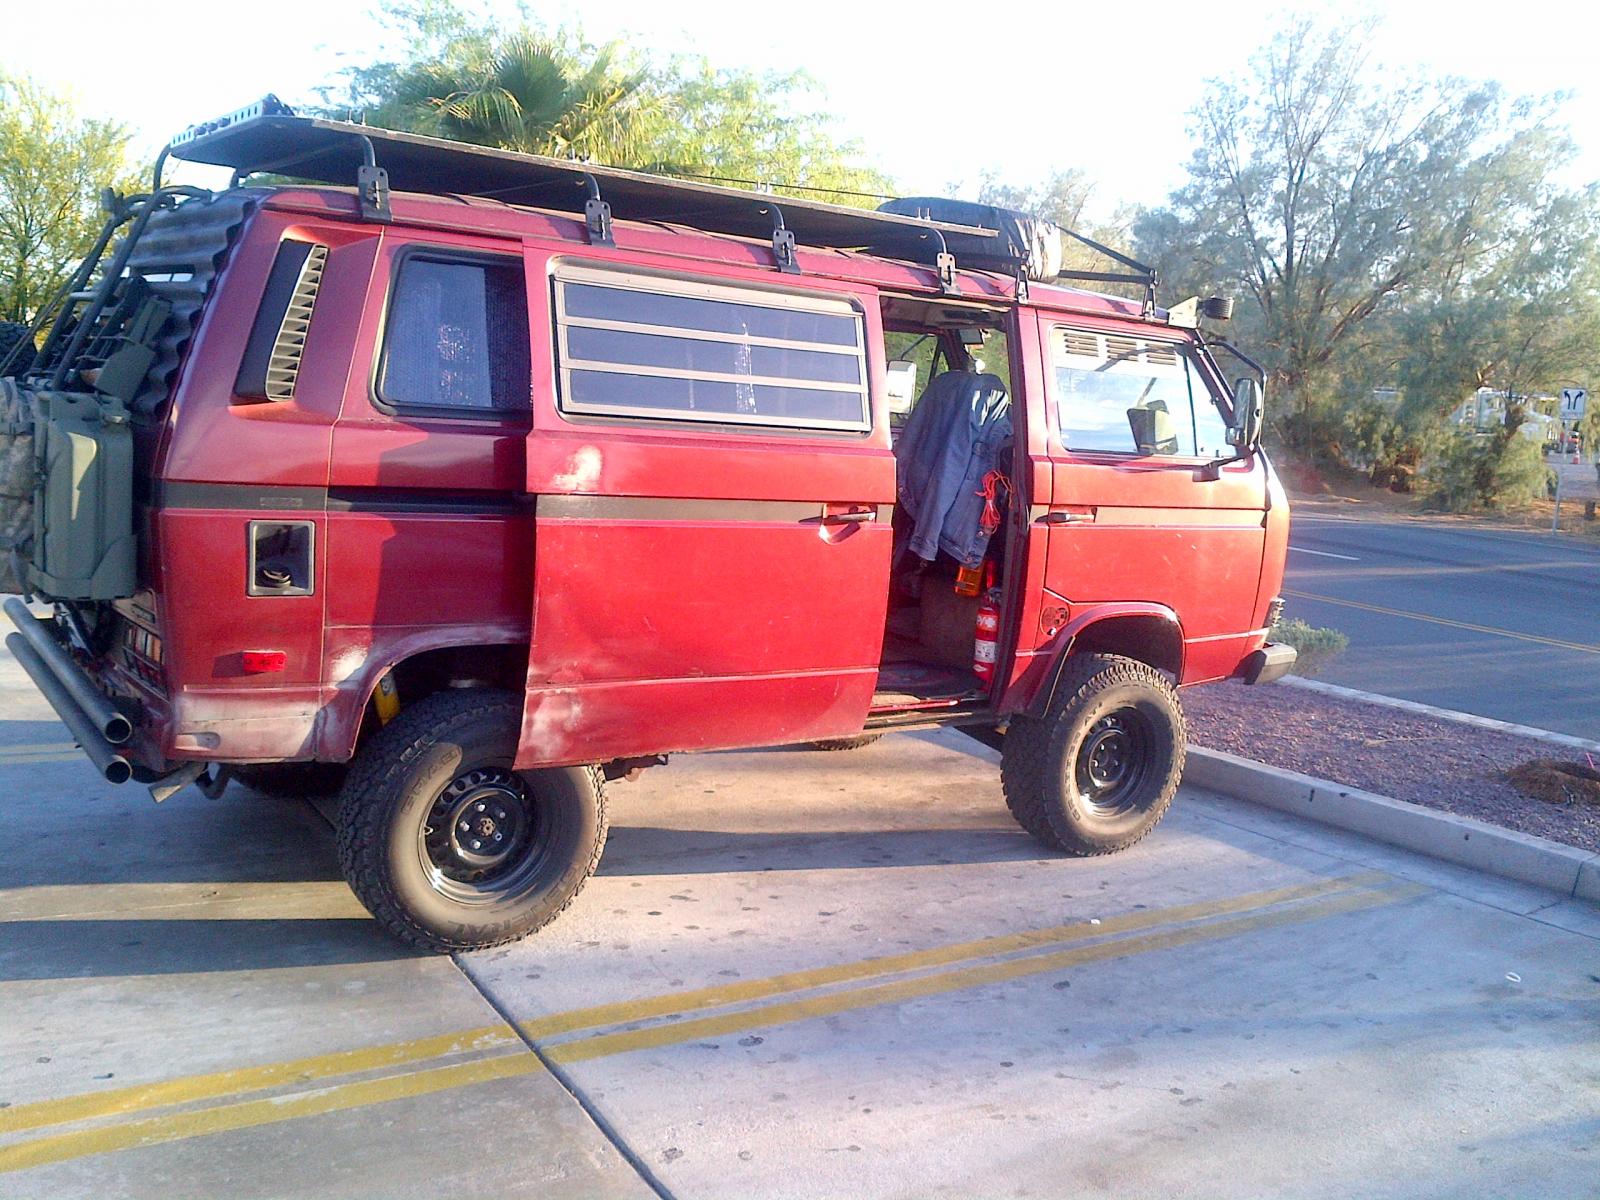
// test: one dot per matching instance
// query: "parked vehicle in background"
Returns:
(491, 478)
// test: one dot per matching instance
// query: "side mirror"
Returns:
(901, 381)
(1249, 413)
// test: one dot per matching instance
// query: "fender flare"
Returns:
(339, 723)
(1066, 640)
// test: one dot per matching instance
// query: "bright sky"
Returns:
(1103, 86)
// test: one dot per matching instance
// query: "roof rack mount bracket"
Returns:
(783, 245)
(597, 215)
(372, 186)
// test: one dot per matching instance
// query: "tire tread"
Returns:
(1025, 762)
(373, 774)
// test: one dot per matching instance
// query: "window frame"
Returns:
(433, 252)
(1187, 352)
(629, 277)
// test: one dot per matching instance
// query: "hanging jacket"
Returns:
(959, 431)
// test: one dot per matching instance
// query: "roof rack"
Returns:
(268, 137)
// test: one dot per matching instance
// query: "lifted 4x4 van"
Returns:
(478, 479)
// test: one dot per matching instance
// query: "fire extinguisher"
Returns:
(986, 637)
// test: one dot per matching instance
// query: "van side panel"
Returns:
(692, 586)
(223, 465)
(430, 543)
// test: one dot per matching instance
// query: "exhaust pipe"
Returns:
(112, 765)
(114, 726)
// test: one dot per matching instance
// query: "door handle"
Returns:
(1065, 518)
(849, 517)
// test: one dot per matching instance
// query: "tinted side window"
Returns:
(457, 337)
(1130, 396)
(638, 346)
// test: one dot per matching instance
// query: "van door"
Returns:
(1132, 418)
(713, 494)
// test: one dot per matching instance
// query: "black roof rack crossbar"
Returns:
(1147, 276)
(267, 137)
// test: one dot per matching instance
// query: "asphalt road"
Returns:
(1496, 623)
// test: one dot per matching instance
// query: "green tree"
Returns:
(747, 128)
(519, 91)
(1332, 197)
(53, 163)
(549, 92)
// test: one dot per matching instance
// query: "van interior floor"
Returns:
(906, 682)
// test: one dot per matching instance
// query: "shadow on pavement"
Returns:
(647, 850)
(98, 949)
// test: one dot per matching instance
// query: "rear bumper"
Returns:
(1272, 661)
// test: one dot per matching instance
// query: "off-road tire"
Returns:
(849, 743)
(293, 780)
(407, 769)
(1040, 760)
(10, 334)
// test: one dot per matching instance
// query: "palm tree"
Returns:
(526, 93)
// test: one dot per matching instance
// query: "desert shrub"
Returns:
(1476, 471)
(1316, 645)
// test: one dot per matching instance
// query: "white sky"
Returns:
(1100, 85)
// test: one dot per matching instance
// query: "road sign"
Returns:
(1572, 402)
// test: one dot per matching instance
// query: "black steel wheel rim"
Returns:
(485, 837)
(1113, 762)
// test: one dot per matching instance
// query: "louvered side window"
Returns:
(1126, 395)
(271, 363)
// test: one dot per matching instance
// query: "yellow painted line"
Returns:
(1416, 616)
(23, 760)
(248, 1079)
(674, 1003)
(328, 899)
(607, 1044)
(38, 748)
(250, 1113)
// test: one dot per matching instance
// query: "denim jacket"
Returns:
(958, 433)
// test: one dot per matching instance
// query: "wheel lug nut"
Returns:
(497, 837)
(480, 808)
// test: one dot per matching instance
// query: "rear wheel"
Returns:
(1100, 769)
(446, 845)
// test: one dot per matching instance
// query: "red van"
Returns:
(473, 480)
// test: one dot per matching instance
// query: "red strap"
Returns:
(992, 482)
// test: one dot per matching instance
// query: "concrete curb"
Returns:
(1462, 840)
(1448, 714)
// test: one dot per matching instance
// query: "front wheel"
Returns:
(1100, 769)
(446, 845)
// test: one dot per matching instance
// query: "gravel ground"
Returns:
(1426, 760)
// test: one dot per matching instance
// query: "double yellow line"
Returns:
(38, 752)
(1584, 647)
(125, 1118)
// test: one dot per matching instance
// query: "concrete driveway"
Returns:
(797, 974)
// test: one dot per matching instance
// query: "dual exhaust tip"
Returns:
(94, 722)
